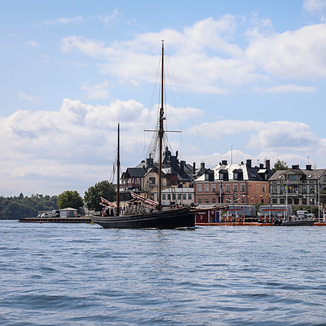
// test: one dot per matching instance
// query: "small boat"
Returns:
(157, 218)
(298, 220)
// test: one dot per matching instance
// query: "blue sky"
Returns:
(251, 75)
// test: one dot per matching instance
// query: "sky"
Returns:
(244, 80)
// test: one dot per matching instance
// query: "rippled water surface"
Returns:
(80, 274)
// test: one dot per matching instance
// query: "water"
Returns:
(80, 274)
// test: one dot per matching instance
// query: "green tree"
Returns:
(20, 206)
(280, 165)
(93, 195)
(70, 198)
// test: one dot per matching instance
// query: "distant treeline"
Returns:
(12, 208)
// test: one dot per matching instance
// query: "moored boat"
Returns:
(167, 219)
(156, 218)
(302, 218)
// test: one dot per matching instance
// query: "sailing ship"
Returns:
(158, 217)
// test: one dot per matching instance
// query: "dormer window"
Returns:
(237, 174)
(223, 175)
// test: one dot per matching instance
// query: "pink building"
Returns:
(234, 184)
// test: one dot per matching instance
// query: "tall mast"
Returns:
(161, 133)
(118, 173)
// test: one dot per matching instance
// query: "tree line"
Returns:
(12, 208)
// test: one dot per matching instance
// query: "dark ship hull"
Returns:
(299, 223)
(169, 219)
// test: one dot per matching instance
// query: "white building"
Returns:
(175, 196)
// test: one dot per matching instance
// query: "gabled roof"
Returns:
(135, 172)
(248, 173)
(310, 174)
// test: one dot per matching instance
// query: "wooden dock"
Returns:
(235, 224)
(82, 219)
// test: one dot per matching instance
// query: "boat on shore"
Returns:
(156, 217)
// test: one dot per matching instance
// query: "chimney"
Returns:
(261, 165)
(182, 165)
(194, 168)
(268, 164)
(224, 162)
(249, 163)
(295, 167)
(308, 167)
(202, 165)
(149, 162)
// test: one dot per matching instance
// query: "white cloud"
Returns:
(287, 89)
(296, 54)
(206, 59)
(92, 48)
(29, 98)
(97, 91)
(284, 136)
(73, 147)
(229, 127)
(65, 20)
(108, 19)
(314, 5)
(33, 44)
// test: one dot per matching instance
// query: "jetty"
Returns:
(82, 219)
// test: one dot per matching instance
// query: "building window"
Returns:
(243, 188)
(311, 189)
(206, 201)
(189, 196)
(263, 188)
(304, 189)
(199, 188)
(235, 187)
(290, 201)
(213, 187)
(214, 200)
(169, 196)
(228, 188)
(206, 187)
(296, 201)
(164, 196)
(304, 201)
(274, 201)
(243, 200)
(274, 189)
(282, 201)
(292, 177)
(184, 196)
(199, 200)
(228, 200)
(173, 196)
(235, 176)
(179, 196)
(152, 180)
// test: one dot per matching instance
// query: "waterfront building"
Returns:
(144, 178)
(234, 184)
(178, 196)
(299, 187)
